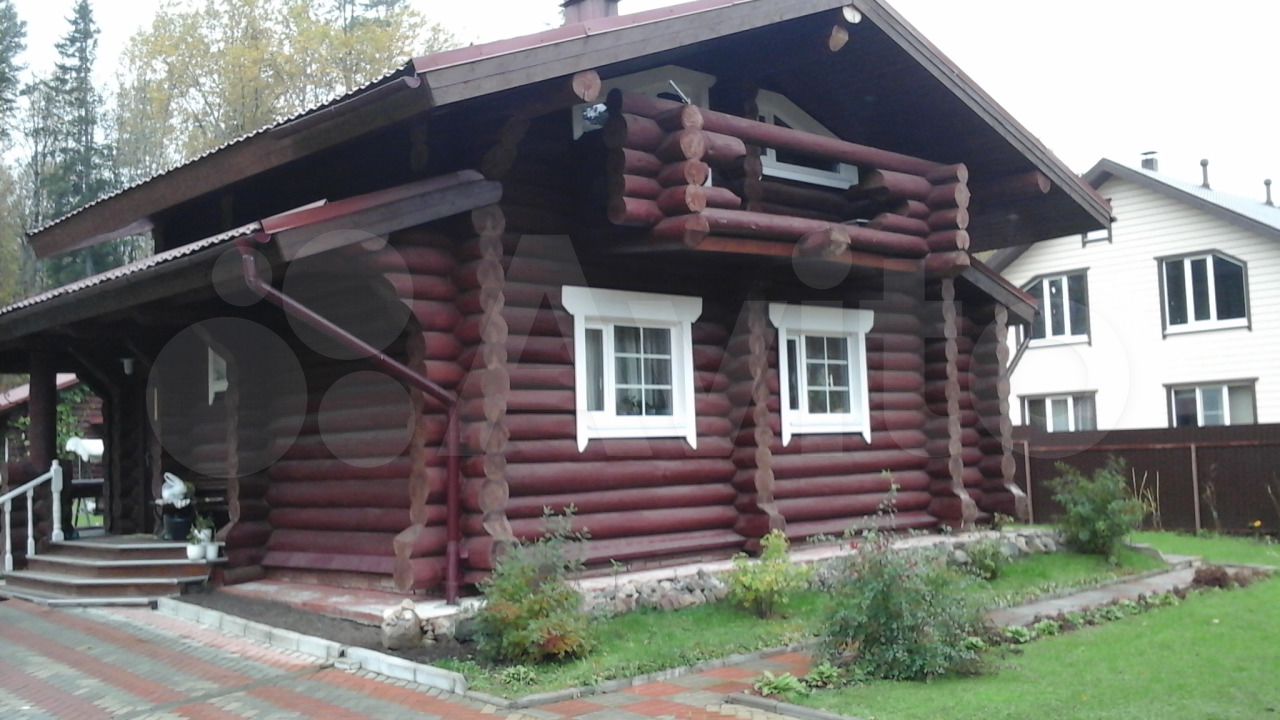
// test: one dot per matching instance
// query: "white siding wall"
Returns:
(1129, 362)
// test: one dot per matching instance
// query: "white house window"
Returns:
(1204, 292)
(218, 378)
(777, 110)
(1061, 413)
(1064, 308)
(822, 360)
(1212, 405)
(1096, 236)
(669, 82)
(634, 363)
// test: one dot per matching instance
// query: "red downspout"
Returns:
(395, 368)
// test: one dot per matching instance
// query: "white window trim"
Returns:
(594, 307)
(771, 105)
(219, 380)
(1067, 338)
(695, 85)
(798, 320)
(1188, 290)
(1224, 388)
(1048, 414)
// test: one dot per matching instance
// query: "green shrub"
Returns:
(900, 615)
(518, 676)
(1098, 511)
(784, 686)
(767, 586)
(822, 675)
(986, 560)
(531, 612)
(1019, 635)
(1047, 628)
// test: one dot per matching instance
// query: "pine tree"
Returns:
(13, 34)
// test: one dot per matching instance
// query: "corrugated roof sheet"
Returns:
(134, 267)
(18, 396)
(1250, 208)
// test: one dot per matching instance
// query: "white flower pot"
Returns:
(204, 536)
(211, 551)
(195, 551)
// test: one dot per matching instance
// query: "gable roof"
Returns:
(1245, 213)
(455, 76)
(17, 397)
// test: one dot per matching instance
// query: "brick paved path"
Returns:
(139, 664)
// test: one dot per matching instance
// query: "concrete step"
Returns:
(134, 548)
(49, 600)
(74, 586)
(81, 566)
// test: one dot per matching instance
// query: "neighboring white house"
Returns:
(1172, 319)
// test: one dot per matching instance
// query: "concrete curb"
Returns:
(778, 707)
(610, 686)
(344, 657)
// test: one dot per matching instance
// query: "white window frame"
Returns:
(774, 106)
(1188, 290)
(1225, 389)
(604, 309)
(1067, 338)
(1048, 413)
(219, 380)
(797, 321)
(695, 85)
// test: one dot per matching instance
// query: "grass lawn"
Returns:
(1214, 656)
(645, 642)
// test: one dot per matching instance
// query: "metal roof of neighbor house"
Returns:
(1247, 213)
(465, 73)
(16, 397)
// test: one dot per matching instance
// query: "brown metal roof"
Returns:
(457, 75)
(16, 397)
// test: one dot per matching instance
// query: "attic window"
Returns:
(655, 83)
(778, 110)
(219, 381)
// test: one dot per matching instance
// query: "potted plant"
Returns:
(195, 545)
(203, 529)
(176, 507)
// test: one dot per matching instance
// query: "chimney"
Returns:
(1204, 170)
(583, 10)
(1267, 183)
(1150, 161)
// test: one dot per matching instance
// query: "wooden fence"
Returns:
(1223, 479)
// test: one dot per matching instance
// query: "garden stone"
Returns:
(1010, 550)
(959, 557)
(1021, 544)
(401, 627)
(1049, 545)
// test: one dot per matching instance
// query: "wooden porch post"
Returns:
(42, 409)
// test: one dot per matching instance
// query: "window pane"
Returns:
(595, 369)
(1037, 325)
(817, 375)
(1086, 418)
(839, 401)
(1211, 400)
(1184, 408)
(1079, 305)
(626, 371)
(1057, 318)
(657, 402)
(817, 401)
(815, 347)
(1061, 414)
(1228, 288)
(838, 375)
(630, 401)
(1035, 414)
(1200, 288)
(657, 371)
(1241, 400)
(657, 341)
(626, 339)
(793, 373)
(1175, 290)
(837, 348)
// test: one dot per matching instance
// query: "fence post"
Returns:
(1195, 486)
(1026, 465)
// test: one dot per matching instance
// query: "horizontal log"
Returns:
(686, 229)
(328, 562)
(574, 477)
(738, 222)
(350, 518)
(601, 450)
(949, 219)
(341, 493)
(773, 208)
(376, 544)
(422, 287)
(632, 131)
(949, 196)
(947, 264)
(905, 480)
(661, 498)
(635, 212)
(948, 174)
(421, 573)
(1021, 186)
(899, 224)
(825, 201)
(629, 524)
(681, 200)
(312, 470)
(801, 509)
(948, 240)
(896, 522)
(636, 186)
(684, 117)
(809, 464)
(625, 161)
(720, 197)
(683, 145)
(686, 172)
(888, 184)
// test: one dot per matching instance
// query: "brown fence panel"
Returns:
(1208, 478)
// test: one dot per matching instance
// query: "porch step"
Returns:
(72, 586)
(114, 570)
(49, 600)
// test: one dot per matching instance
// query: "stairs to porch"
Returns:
(113, 570)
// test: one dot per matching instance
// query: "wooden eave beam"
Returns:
(755, 247)
(132, 210)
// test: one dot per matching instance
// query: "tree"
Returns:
(12, 285)
(209, 71)
(13, 34)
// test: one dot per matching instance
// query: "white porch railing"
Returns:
(54, 478)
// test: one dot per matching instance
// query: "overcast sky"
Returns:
(1091, 78)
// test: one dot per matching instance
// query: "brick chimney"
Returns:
(583, 10)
